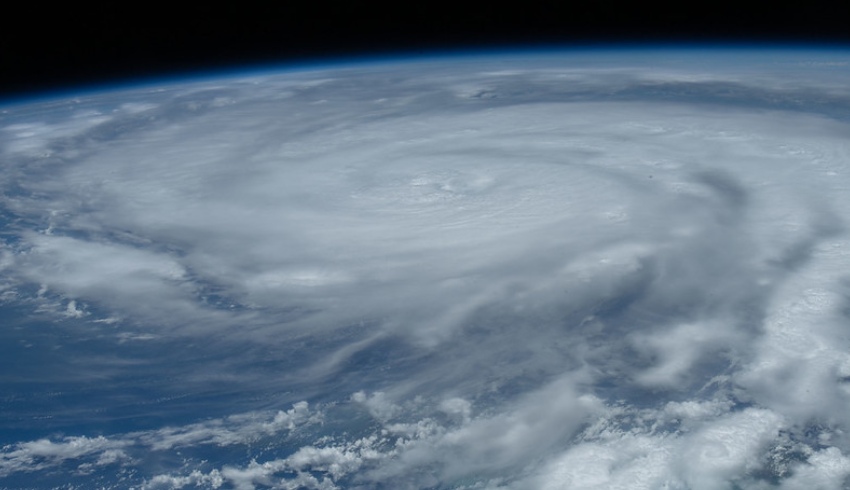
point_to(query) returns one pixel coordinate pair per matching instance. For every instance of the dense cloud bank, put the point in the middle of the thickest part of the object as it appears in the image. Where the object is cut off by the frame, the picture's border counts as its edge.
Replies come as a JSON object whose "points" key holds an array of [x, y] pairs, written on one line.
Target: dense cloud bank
{"points": [[556, 273]]}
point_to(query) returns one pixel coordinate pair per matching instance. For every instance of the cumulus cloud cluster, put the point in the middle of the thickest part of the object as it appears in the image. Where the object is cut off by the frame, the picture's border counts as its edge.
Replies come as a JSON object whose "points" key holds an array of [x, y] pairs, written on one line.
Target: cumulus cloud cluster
{"points": [[571, 274]]}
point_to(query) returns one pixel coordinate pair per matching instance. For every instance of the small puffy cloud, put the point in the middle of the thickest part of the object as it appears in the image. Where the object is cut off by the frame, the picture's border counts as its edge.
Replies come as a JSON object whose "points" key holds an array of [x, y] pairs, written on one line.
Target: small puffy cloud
{"points": [[378, 404], [457, 407]]}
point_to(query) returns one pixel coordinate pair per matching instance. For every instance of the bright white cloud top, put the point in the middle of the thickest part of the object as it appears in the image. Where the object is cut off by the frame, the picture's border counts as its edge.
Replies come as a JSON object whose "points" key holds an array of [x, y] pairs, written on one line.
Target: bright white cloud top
{"points": [[578, 270]]}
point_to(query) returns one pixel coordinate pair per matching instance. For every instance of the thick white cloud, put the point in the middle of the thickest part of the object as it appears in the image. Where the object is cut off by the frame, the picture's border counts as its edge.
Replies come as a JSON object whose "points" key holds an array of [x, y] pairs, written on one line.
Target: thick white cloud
{"points": [[601, 275]]}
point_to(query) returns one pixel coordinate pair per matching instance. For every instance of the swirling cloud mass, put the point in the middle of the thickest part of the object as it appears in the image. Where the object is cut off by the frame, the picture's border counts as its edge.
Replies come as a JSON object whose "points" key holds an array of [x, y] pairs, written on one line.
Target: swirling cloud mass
{"points": [[587, 270]]}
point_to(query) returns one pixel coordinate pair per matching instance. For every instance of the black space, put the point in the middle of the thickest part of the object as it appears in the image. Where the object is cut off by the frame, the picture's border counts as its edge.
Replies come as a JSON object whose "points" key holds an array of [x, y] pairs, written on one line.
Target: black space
{"points": [[42, 48]]}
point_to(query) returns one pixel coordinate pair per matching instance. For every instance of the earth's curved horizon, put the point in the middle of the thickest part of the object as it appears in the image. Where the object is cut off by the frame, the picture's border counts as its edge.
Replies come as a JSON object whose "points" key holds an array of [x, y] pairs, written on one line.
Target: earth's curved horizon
{"points": [[577, 269]]}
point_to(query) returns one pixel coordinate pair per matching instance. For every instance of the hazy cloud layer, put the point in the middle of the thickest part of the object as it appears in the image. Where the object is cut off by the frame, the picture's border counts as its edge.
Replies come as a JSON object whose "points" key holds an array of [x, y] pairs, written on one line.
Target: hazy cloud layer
{"points": [[575, 273]]}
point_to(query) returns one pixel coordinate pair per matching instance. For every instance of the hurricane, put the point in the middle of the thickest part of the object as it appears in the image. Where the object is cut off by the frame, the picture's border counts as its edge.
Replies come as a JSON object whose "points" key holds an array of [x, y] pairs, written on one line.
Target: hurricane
{"points": [[581, 269]]}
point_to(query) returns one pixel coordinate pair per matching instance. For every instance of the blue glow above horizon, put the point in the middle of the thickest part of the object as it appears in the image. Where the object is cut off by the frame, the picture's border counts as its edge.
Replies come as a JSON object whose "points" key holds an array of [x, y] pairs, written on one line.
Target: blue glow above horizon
{"points": [[589, 52]]}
